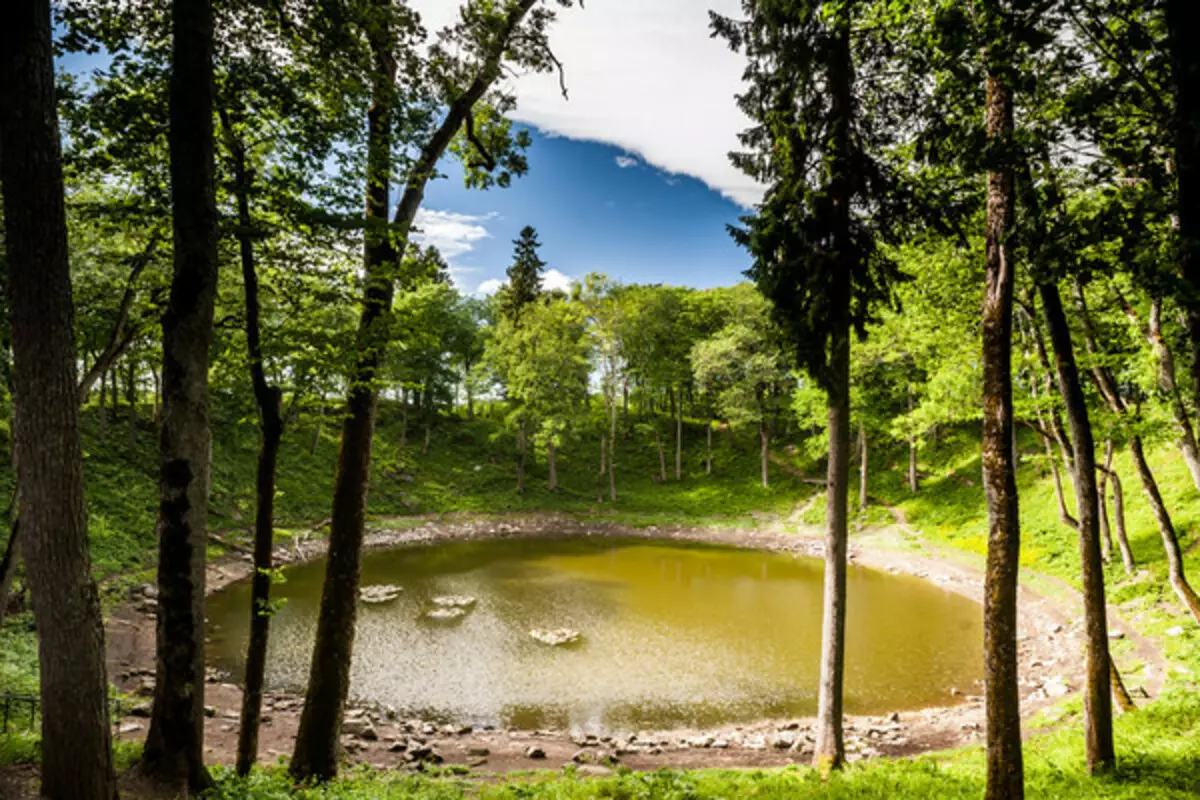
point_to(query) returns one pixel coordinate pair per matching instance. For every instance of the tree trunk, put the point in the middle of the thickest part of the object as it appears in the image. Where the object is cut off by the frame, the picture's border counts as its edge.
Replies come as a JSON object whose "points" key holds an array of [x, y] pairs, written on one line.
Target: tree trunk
{"points": [[829, 746], [131, 389], [1005, 771], [8, 566], [76, 747], [425, 442], [1119, 692], [103, 410], [1183, 20], [708, 446], [317, 740], [662, 456], [157, 393], [552, 466], [174, 750], [862, 468], [521, 450], [269, 402], [1097, 704], [1166, 380], [1119, 523], [1106, 544], [403, 417], [765, 438], [679, 436], [1175, 569], [612, 455], [602, 474]]}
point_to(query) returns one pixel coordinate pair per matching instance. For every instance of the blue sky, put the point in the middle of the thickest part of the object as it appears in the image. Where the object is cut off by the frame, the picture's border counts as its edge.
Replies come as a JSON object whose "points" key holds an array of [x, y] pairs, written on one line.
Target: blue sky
{"points": [[631, 176], [597, 209]]}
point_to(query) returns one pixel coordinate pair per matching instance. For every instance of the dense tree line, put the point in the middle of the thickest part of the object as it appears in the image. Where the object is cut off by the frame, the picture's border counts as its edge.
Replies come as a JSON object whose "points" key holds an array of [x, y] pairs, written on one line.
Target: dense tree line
{"points": [[981, 216]]}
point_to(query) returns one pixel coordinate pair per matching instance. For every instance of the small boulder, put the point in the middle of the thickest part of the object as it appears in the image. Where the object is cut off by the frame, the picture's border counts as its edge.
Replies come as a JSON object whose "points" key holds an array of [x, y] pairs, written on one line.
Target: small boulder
{"points": [[555, 638], [534, 752], [379, 594]]}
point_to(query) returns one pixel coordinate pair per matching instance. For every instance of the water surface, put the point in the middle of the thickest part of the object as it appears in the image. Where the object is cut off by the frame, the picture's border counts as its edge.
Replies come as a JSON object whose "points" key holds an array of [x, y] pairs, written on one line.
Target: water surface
{"points": [[673, 635]]}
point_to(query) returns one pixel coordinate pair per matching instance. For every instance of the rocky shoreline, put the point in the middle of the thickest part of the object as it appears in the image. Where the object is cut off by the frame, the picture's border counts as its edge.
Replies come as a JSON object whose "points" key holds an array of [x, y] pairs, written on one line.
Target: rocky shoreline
{"points": [[1050, 650]]}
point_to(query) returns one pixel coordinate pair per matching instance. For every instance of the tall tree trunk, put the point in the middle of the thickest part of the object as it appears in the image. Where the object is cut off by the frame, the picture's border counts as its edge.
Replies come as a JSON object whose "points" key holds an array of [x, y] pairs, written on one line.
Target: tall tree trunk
{"points": [[174, 750], [679, 435], [1183, 20], [1119, 517], [862, 468], [612, 454], [131, 388], [8, 565], [102, 413], [829, 747], [552, 467], [1101, 755], [662, 456], [708, 445], [76, 747], [404, 417], [603, 473], [765, 438], [1005, 770], [268, 399], [1166, 381], [425, 442], [522, 448], [317, 740], [1106, 543], [1175, 569]]}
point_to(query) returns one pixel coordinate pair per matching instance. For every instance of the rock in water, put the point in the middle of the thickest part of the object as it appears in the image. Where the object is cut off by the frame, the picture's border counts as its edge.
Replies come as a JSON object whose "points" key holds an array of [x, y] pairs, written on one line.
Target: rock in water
{"points": [[555, 638], [462, 601], [377, 595], [445, 614]]}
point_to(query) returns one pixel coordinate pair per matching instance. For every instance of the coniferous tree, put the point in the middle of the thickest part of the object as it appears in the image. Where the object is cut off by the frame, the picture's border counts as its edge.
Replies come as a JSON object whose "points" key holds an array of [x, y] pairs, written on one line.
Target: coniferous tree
{"points": [[813, 240], [525, 273]]}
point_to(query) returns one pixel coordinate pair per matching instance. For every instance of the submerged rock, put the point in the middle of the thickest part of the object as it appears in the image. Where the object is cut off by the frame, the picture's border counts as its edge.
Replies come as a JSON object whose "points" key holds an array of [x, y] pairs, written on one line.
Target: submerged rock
{"points": [[555, 638], [377, 595], [454, 601], [445, 614]]}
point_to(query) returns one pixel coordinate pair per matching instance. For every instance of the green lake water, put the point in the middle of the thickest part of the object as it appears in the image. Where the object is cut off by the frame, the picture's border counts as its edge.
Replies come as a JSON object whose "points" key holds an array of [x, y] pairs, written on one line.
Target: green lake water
{"points": [[672, 635]]}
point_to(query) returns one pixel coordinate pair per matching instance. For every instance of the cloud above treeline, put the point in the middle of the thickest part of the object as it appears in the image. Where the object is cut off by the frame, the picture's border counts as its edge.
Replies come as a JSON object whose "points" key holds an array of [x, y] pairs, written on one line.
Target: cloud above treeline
{"points": [[645, 76], [552, 280]]}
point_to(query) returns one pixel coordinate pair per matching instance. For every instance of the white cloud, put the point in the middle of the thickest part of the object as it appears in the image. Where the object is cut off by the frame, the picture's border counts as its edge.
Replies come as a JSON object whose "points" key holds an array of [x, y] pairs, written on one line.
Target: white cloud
{"points": [[489, 286], [451, 233], [625, 162], [645, 77], [552, 280]]}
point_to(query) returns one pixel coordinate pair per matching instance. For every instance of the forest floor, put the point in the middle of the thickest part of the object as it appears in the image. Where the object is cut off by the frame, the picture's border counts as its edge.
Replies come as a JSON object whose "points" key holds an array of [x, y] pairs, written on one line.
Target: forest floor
{"points": [[466, 480]]}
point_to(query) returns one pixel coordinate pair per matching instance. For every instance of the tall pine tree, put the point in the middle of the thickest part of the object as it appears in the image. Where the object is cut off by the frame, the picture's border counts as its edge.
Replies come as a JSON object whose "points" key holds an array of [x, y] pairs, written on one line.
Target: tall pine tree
{"points": [[525, 273]]}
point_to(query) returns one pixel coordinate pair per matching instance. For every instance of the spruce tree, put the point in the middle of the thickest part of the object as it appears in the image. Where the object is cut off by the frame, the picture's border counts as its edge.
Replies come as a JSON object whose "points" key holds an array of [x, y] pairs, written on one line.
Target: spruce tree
{"points": [[525, 273]]}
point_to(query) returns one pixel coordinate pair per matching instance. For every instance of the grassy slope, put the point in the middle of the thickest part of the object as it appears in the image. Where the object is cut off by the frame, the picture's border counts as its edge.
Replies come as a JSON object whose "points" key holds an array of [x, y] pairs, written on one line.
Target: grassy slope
{"points": [[1159, 746]]}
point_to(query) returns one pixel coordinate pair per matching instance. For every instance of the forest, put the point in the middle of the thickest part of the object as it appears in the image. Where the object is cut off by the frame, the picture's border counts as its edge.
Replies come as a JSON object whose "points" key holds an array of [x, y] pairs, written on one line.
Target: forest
{"points": [[906, 508]]}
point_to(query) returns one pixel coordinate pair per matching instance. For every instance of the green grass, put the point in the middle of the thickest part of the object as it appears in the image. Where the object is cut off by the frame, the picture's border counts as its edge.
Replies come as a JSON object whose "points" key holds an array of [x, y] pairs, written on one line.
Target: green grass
{"points": [[470, 469]]}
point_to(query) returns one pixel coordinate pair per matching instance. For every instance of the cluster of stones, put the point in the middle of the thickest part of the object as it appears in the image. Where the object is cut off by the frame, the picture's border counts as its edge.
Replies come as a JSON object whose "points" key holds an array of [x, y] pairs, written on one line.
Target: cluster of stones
{"points": [[555, 638], [450, 607], [378, 595]]}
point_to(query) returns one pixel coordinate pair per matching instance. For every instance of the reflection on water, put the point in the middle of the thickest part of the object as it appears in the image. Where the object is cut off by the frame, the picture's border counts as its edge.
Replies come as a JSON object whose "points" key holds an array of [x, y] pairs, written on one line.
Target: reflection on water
{"points": [[673, 635]]}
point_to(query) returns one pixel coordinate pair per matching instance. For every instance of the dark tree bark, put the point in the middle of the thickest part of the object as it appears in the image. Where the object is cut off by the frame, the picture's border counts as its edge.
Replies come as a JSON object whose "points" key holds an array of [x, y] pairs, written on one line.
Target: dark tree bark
{"points": [[316, 751], [268, 399], [8, 565], [764, 436], [862, 468], [1183, 20], [1101, 755], [552, 466], [76, 747], [1005, 770], [679, 435], [131, 397], [1119, 692], [829, 747], [315, 755], [174, 751]]}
